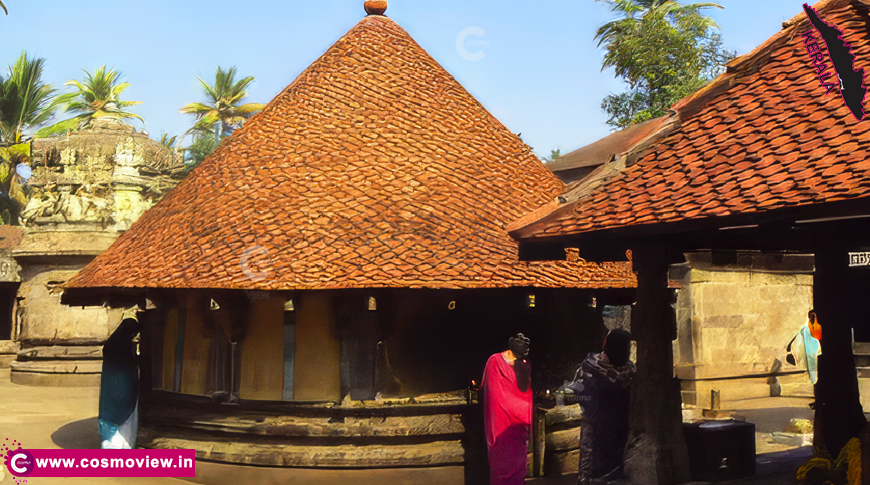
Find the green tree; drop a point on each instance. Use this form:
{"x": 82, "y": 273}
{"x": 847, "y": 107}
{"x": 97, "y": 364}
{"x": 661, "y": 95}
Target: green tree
{"x": 665, "y": 51}
{"x": 25, "y": 100}
{"x": 201, "y": 148}
{"x": 221, "y": 113}
{"x": 555, "y": 155}
{"x": 95, "y": 96}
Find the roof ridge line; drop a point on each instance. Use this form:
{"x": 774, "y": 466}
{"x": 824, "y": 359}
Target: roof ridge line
{"x": 623, "y": 161}
{"x": 598, "y": 177}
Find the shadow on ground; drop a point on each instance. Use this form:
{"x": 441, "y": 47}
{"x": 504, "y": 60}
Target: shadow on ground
{"x": 81, "y": 435}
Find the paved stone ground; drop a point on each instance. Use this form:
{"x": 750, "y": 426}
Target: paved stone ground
{"x": 771, "y": 469}
{"x": 65, "y": 417}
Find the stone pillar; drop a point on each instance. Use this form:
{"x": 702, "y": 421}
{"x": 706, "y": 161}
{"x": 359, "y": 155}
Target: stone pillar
{"x": 838, "y": 297}
{"x": 656, "y": 453}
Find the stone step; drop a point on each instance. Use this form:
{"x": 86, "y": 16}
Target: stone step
{"x": 862, "y": 360}
{"x": 563, "y": 415}
{"x": 296, "y": 426}
{"x": 68, "y": 373}
{"x": 58, "y": 352}
{"x": 58, "y": 367}
{"x": 566, "y": 440}
{"x": 561, "y": 462}
{"x": 304, "y": 454}
{"x": 862, "y": 348}
{"x": 863, "y": 372}
{"x": 8, "y": 347}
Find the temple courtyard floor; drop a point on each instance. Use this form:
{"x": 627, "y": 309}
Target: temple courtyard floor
{"x": 65, "y": 417}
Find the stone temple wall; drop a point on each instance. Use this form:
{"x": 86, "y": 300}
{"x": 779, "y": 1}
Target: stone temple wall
{"x": 86, "y": 189}
{"x": 734, "y": 322}
{"x": 106, "y": 175}
{"x": 44, "y": 320}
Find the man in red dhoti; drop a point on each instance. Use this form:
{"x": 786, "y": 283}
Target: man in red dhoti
{"x": 507, "y": 412}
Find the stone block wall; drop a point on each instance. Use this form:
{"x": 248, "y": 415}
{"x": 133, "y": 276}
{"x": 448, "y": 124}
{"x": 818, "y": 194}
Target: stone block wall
{"x": 734, "y": 323}
{"x": 8, "y": 351}
{"x": 44, "y": 320}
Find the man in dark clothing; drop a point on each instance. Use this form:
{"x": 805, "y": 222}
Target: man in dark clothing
{"x": 603, "y": 387}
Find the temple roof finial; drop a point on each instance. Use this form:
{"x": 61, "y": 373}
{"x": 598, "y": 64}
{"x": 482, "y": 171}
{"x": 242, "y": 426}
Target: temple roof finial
{"x": 376, "y": 7}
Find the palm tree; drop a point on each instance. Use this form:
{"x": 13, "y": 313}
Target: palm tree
{"x": 4, "y": 8}
{"x": 25, "y": 100}
{"x": 168, "y": 141}
{"x": 96, "y": 96}
{"x": 221, "y": 113}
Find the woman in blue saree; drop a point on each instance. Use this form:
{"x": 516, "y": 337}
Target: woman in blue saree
{"x": 119, "y": 388}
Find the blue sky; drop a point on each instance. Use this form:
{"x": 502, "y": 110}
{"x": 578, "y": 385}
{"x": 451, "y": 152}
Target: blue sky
{"x": 539, "y": 74}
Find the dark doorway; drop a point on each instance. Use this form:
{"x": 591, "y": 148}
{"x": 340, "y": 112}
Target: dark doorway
{"x": 8, "y": 292}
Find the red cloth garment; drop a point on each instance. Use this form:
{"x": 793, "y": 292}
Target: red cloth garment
{"x": 507, "y": 418}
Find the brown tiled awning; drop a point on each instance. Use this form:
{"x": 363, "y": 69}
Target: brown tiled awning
{"x": 762, "y": 136}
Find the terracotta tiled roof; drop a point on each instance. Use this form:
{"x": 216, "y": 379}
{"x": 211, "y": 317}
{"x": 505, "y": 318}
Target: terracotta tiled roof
{"x": 762, "y": 136}
{"x": 374, "y": 168}
{"x": 603, "y": 150}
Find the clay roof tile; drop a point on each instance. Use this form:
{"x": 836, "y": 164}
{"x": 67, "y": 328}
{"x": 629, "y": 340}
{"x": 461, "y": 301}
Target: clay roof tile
{"x": 768, "y": 135}
{"x": 373, "y": 168}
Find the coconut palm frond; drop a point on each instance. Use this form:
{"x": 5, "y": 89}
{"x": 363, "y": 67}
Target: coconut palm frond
{"x": 96, "y": 96}
{"x": 168, "y": 141}
{"x": 25, "y": 100}
{"x": 198, "y": 109}
{"x": 221, "y": 112}
{"x": 250, "y": 108}
{"x": 63, "y": 127}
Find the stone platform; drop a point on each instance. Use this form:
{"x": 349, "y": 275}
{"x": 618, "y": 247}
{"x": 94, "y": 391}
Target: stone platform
{"x": 56, "y": 417}
{"x": 8, "y": 352}
{"x": 61, "y": 366}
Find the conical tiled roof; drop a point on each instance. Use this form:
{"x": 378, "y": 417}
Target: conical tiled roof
{"x": 374, "y": 168}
